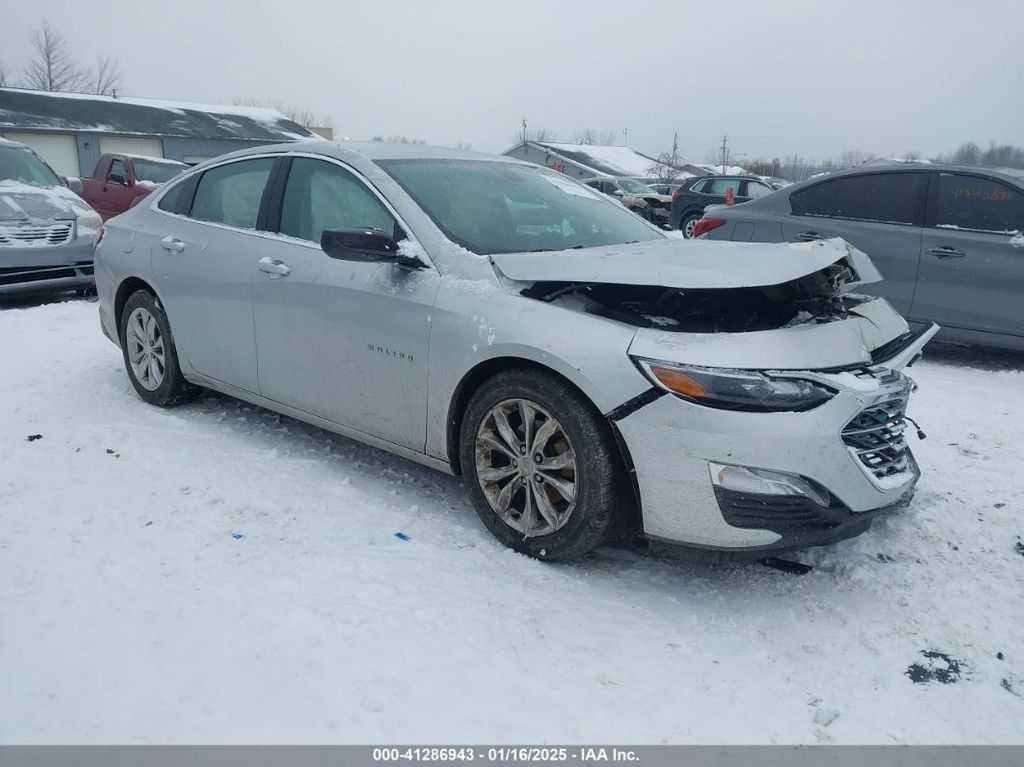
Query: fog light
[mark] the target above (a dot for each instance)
(741, 479)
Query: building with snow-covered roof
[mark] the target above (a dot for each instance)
(584, 160)
(71, 130)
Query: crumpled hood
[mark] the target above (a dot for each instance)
(693, 264)
(23, 202)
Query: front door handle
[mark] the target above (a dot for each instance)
(273, 267)
(172, 245)
(946, 252)
(809, 236)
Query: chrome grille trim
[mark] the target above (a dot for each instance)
(36, 234)
(875, 435)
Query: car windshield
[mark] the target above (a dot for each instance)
(23, 166)
(497, 207)
(634, 187)
(155, 172)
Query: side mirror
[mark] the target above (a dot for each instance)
(64, 181)
(619, 193)
(365, 245)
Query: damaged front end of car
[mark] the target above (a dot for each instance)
(776, 416)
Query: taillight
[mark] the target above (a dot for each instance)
(705, 225)
(676, 195)
(98, 237)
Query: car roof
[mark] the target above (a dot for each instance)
(909, 167)
(4, 142)
(375, 151)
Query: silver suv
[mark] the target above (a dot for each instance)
(583, 372)
(948, 239)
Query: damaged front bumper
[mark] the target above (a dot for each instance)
(770, 481)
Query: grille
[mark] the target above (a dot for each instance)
(56, 233)
(875, 434)
(21, 275)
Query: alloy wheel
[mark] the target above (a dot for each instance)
(689, 227)
(526, 467)
(146, 353)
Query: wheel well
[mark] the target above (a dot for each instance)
(124, 290)
(485, 370)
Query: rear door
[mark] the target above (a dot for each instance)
(879, 213)
(972, 277)
(205, 262)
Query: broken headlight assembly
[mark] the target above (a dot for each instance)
(743, 390)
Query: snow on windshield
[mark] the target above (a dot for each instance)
(21, 165)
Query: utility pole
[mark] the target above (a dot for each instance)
(725, 154)
(625, 137)
(675, 148)
(524, 130)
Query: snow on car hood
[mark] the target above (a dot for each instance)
(20, 201)
(693, 264)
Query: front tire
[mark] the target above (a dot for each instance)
(150, 356)
(540, 466)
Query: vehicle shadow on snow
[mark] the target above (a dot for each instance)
(366, 463)
(31, 301)
(974, 356)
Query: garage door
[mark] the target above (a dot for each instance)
(148, 147)
(58, 149)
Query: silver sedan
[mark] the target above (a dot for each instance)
(587, 375)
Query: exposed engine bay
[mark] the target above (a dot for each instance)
(813, 298)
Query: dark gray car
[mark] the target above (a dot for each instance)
(948, 239)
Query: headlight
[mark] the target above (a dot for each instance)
(745, 390)
(89, 221)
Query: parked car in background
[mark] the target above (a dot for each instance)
(636, 195)
(46, 230)
(584, 372)
(122, 180)
(948, 239)
(665, 189)
(775, 182)
(695, 194)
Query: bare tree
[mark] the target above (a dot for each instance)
(52, 67)
(595, 137)
(3, 74)
(853, 157)
(301, 116)
(666, 168)
(537, 134)
(106, 77)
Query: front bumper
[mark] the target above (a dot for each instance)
(41, 269)
(671, 443)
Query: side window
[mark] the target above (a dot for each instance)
(894, 198)
(720, 185)
(974, 202)
(699, 186)
(756, 189)
(178, 198)
(118, 173)
(230, 194)
(817, 200)
(320, 195)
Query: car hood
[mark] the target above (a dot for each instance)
(22, 202)
(692, 264)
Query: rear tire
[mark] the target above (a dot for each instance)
(561, 506)
(150, 356)
(687, 225)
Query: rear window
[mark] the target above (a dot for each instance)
(974, 202)
(721, 185)
(895, 198)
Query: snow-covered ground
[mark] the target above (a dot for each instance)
(218, 574)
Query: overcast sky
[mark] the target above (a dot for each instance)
(778, 76)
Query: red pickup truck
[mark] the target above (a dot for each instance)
(122, 180)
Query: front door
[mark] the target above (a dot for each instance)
(343, 340)
(205, 262)
(972, 275)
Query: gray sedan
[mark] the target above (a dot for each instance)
(585, 374)
(948, 239)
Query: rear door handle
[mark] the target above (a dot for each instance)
(171, 245)
(809, 236)
(273, 267)
(946, 252)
